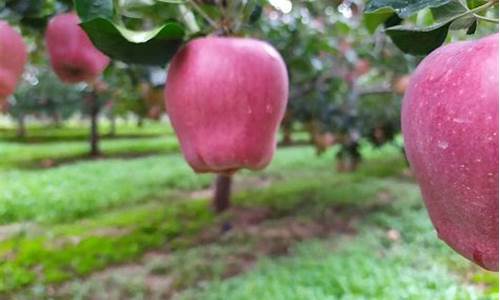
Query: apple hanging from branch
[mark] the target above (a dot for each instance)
(75, 59)
(450, 127)
(13, 57)
(72, 55)
(226, 98)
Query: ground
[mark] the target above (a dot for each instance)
(136, 223)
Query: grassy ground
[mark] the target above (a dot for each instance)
(142, 228)
(45, 147)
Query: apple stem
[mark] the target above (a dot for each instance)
(222, 196)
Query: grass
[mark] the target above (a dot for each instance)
(79, 190)
(71, 131)
(47, 145)
(66, 252)
(415, 265)
(34, 155)
(76, 219)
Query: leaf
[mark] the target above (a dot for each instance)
(463, 23)
(90, 9)
(456, 11)
(403, 8)
(448, 11)
(472, 28)
(374, 19)
(25, 8)
(419, 41)
(154, 47)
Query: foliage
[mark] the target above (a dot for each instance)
(433, 18)
(41, 94)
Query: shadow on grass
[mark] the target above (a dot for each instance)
(57, 162)
(40, 139)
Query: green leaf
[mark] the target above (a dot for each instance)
(419, 41)
(448, 11)
(25, 8)
(463, 23)
(374, 19)
(472, 28)
(403, 8)
(154, 47)
(91, 9)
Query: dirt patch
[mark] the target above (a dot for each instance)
(112, 231)
(9, 230)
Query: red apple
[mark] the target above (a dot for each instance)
(450, 127)
(13, 56)
(72, 55)
(225, 98)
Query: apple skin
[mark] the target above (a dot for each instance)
(72, 55)
(450, 128)
(13, 57)
(226, 98)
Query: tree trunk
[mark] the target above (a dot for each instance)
(222, 196)
(21, 126)
(287, 134)
(140, 122)
(112, 126)
(94, 129)
(56, 119)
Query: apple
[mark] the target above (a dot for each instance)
(362, 67)
(226, 98)
(72, 55)
(450, 128)
(401, 84)
(13, 57)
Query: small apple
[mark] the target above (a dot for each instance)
(401, 84)
(13, 57)
(72, 55)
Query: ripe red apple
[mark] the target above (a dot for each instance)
(72, 55)
(225, 98)
(13, 56)
(450, 127)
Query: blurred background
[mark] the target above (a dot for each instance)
(337, 215)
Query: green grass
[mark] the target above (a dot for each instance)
(59, 254)
(79, 190)
(32, 155)
(83, 217)
(82, 189)
(62, 145)
(370, 266)
(34, 196)
(39, 133)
